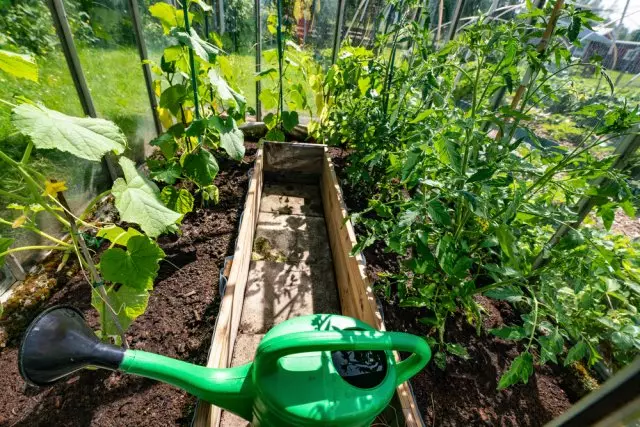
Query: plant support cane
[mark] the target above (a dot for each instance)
(542, 46)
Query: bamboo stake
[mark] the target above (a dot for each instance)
(625, 150)
(542, 46)
(440, 13)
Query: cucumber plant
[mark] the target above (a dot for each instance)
(197, 106)
(286, 85)
(461, 189)
(121, 280)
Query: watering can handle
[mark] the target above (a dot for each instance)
(270, 350)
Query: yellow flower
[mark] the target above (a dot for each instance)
(157, 87)
(53, 188)
(483, 223)
(19, 221)
(165, 117)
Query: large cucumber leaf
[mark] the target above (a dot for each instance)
(137, 201)
(87, 138)
(168, 15)
(228, 96)
(117, 235)
(137, 267)
(180, 200)
(202, 48)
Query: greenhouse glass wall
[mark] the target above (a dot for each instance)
(459, 178)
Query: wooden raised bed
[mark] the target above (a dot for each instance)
(355, 293)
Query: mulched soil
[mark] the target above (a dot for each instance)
(178, 323)
(466, 392)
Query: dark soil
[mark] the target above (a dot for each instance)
(178, 323)
(466, 392)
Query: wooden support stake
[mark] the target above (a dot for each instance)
(542, 46)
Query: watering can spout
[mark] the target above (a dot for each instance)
(228, 388)
(59, 343)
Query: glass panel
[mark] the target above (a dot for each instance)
(238, 35)
(308, 28)
(32, 32)
(152, 31)
(361, 21)
(103, 34)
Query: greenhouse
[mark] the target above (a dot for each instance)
(319, 213)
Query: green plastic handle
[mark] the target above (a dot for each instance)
(270, 350)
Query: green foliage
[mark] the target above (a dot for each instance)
(129, 274)
(195, 133)
(128, 303)
(22, 66)
(87, 138)
(138, 201)
(27, 25)
(520, 370)
(180, 200)
(136, 267)
(283, 83)
(117, 235)
(5, 244)
(468, 196)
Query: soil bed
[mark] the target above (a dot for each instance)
(178, 323)
(466, 392)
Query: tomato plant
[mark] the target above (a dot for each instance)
(467, 196)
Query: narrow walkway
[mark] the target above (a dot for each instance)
(291, 272)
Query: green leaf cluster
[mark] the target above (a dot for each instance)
(467, 195)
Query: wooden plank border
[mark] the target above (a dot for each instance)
(228, 321)
(356, 295)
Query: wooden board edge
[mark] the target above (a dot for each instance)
(342, 239)
(224, 335)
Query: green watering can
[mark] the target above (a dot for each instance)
(318, 370)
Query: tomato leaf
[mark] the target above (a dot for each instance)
(438, 213)
(550, 346)
(577, 352)
(515, 333)
(447, 153)
(520, 370)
